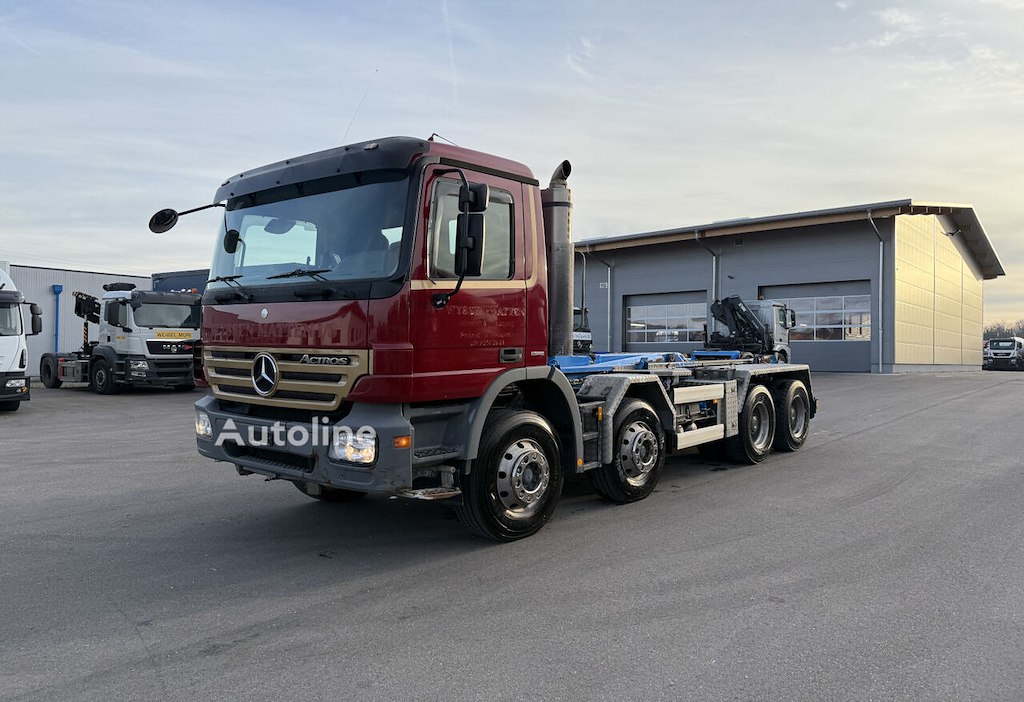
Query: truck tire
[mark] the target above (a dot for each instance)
(639, 455)
(10, 406)
(48, 372)
(757, 428)
(102, 378)
(792, 415)
(329, 494)
(515, 482)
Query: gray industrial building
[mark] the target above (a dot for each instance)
(883, 287)
(52, 289)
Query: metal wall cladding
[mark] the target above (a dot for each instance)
(37, 285)
(938, 303)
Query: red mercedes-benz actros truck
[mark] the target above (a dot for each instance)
(396, 317)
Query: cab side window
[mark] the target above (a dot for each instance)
(498, 249)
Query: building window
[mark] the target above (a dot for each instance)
(831, 318)
(666, 323)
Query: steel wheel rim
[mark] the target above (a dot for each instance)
(638, 453)
(101, 377)
(523, 477)
(759, 426)
(797, 417)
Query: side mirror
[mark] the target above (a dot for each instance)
(163, 221)
(474, 197)
(792, 319)
(37, 319)
(469, 244)
(231, 240)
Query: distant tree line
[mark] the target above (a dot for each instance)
(998, 330)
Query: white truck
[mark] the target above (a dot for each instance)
(146, 338)
(1004, 353)
(14, 382)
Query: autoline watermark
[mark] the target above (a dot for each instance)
(319, 432)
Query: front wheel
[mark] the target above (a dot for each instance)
(639, 455)
(103, 379)
(754, 441)
(516, 480)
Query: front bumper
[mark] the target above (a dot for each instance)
(1003, 362)
(235, 438)
(21, 392)
(171, 371)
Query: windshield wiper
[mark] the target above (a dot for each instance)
(311, 272)
(234, 287)
(229, 279)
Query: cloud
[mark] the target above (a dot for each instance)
(581, 54)
(844, 5)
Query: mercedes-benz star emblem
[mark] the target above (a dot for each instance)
(264, 374)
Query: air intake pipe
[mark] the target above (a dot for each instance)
(556, 201)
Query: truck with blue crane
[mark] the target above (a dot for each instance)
(395, 317)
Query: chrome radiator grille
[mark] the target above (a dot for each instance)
(300, 384)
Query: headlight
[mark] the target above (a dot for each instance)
(16, 383)
(360, 447)
(139, 365)
(203, 426)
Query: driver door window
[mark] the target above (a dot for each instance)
(498, 249)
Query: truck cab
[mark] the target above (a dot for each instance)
(759, 328)
(144, 338)
(15, 385)
(1006, 353)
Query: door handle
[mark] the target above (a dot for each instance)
(511, 355)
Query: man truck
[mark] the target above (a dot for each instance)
(146, 338)
(395, 317)
(15, 386)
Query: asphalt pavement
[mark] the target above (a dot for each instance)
(883, 561)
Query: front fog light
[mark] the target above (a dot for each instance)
(16, 383)
(139, 365)
(360, 447)
(203, 426)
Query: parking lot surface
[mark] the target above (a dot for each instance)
(883, 561)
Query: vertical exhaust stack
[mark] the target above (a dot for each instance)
(557, 205)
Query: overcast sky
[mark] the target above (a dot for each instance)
(672, 114)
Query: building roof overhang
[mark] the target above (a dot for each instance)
(968, 228)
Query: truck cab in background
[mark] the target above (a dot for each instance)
(582, 337)
(145, 338)
(759, 328)
(1006, 353)
(15, 386)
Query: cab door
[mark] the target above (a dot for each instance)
(481, 332)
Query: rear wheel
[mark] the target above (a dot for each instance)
(639, 455)
(792, 415)
(329, 494)
(103, 379)
(757, 428)
(10, 406)
(48, 373)
(516, 480)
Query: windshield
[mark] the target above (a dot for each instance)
(353, 233)
(157, 314)
(1001, 344)
(10, 320)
